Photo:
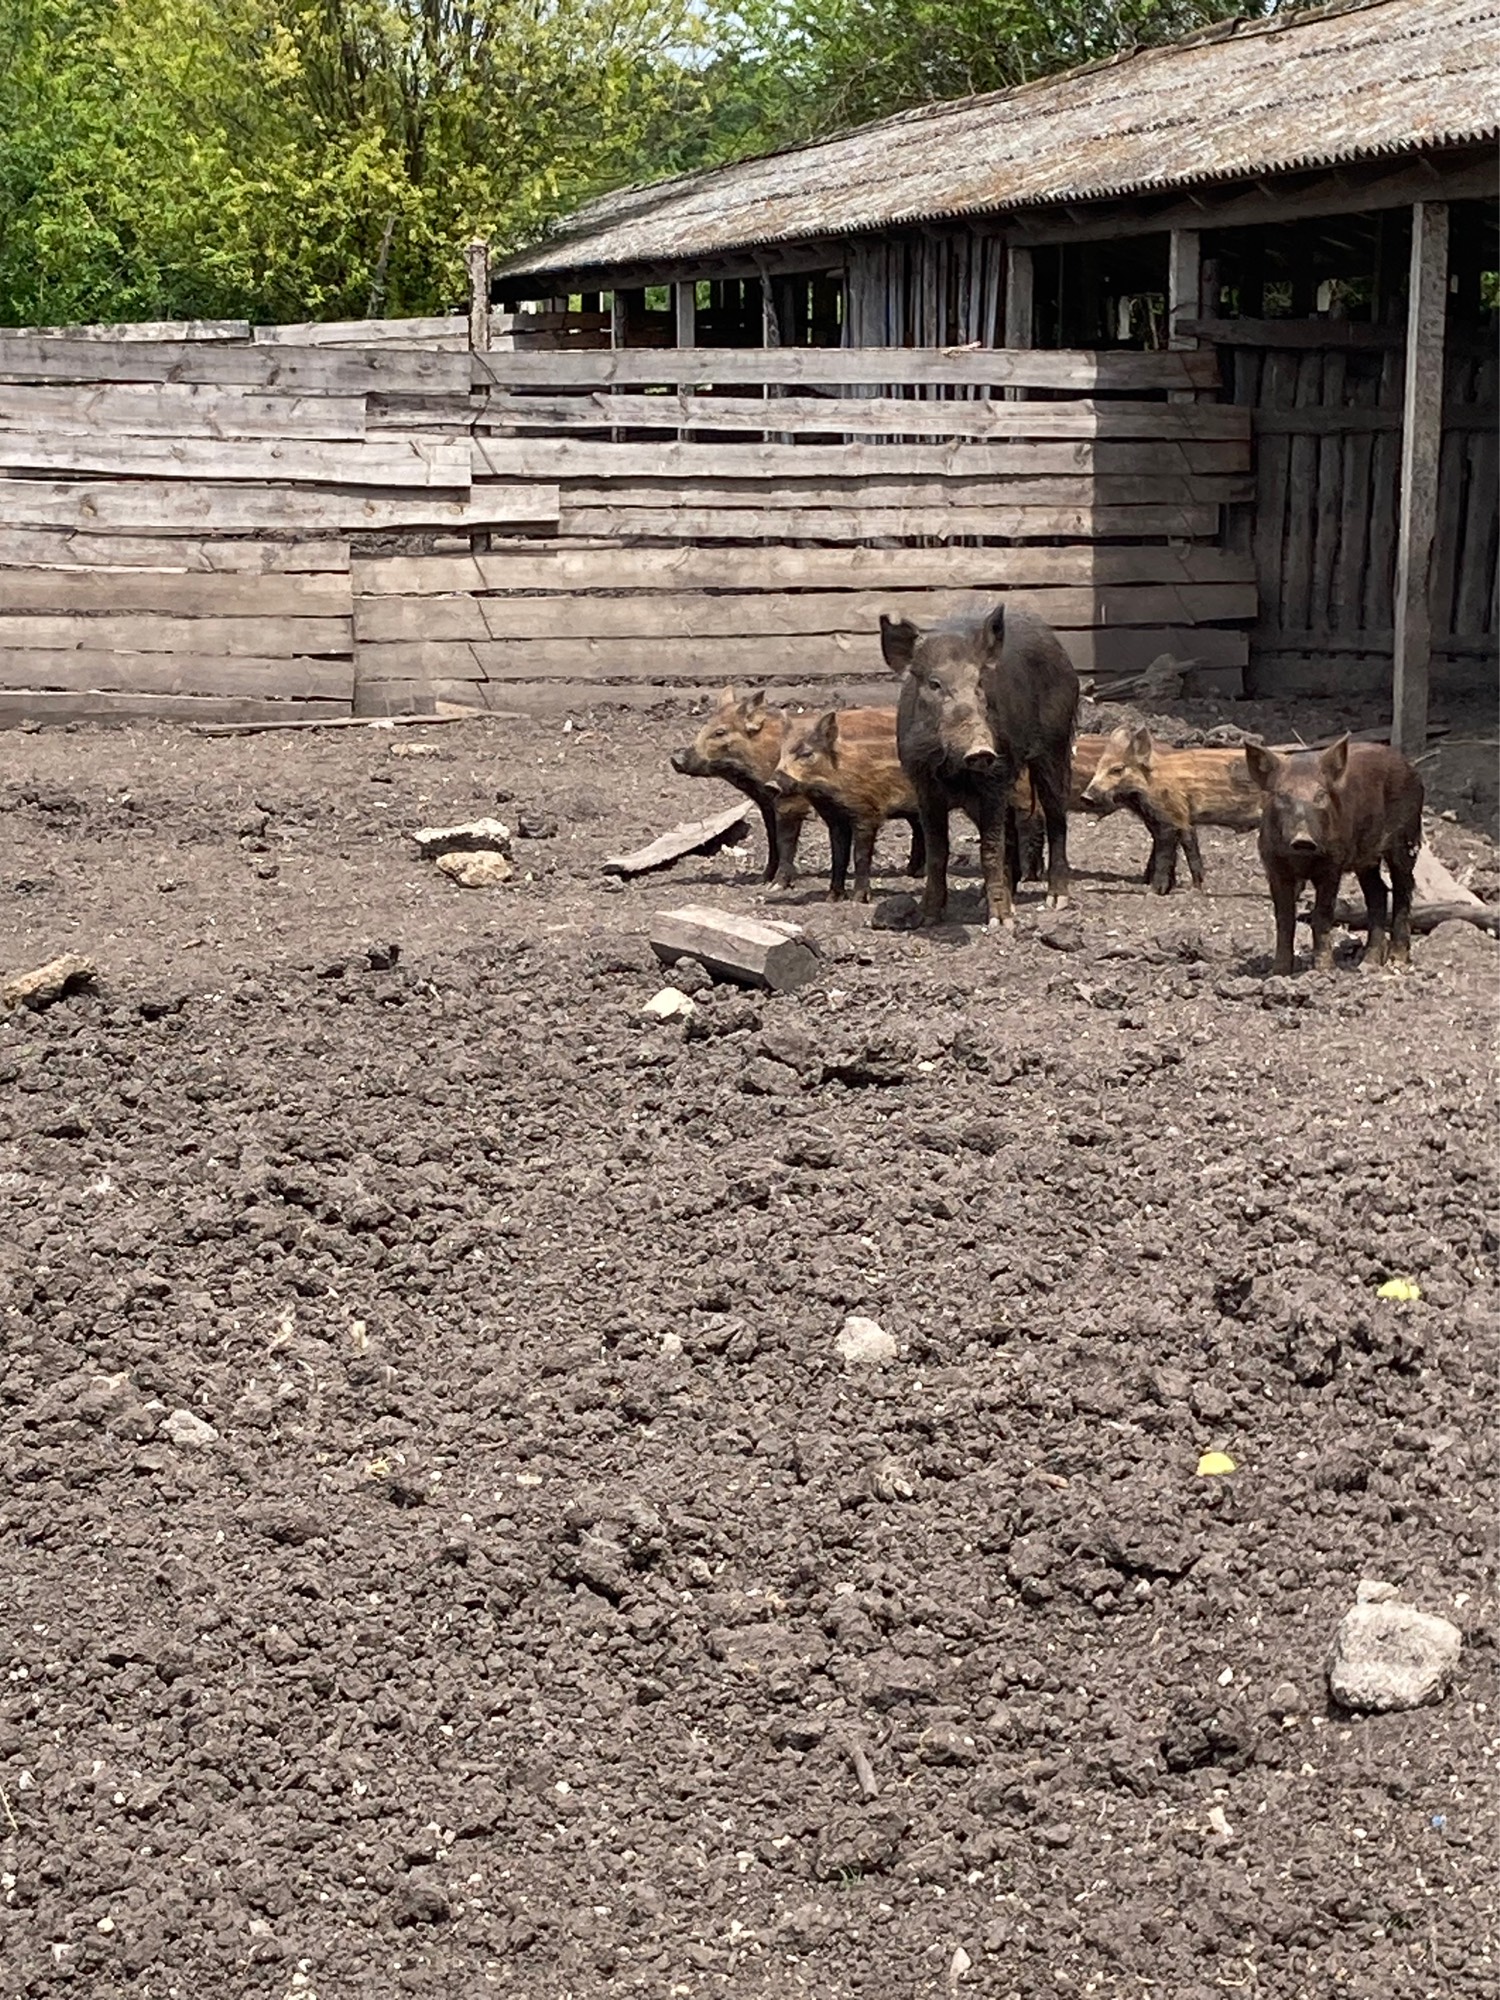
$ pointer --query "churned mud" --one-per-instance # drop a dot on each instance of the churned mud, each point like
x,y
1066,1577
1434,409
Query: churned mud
x,y
546,1608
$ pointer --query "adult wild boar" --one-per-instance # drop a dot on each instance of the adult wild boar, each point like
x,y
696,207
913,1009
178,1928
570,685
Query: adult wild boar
x,y
845,762
983,699
741,743
1328,812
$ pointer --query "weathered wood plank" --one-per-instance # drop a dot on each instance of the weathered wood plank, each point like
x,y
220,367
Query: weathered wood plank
x,y
1035,368
445,333
696,836
813,655
203,508
175,409
701,615
735,947
1302,481
834,524
188,595
146,632
1358,419
568,459
387,459
54,706
138,329
1075,490
886,416
123,672
542,566
317,371
61,548
1421,444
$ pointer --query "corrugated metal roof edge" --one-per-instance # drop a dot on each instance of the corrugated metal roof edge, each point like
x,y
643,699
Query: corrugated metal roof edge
x,y
541,256
523,266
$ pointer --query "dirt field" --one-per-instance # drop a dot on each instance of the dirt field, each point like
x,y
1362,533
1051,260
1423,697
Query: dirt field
x,y
525,1624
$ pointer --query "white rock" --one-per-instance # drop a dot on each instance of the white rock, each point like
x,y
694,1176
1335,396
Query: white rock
x,y
862,1341
1369,1591
475,836
1391,1656
188,1431
475,871
671,1345
668,1005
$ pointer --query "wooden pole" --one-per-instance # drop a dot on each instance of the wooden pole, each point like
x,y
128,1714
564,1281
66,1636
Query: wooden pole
x,y
1184,295
477,257
685,303
1020,306
1421,449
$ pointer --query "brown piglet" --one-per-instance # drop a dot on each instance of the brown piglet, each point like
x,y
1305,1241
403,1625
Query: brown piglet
x,y
1327,813
845,762
741,743
1175,792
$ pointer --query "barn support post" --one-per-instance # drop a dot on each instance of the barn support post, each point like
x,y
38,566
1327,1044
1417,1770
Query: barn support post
x,y
685,325
1421,447
1184,295
1020,305
477,258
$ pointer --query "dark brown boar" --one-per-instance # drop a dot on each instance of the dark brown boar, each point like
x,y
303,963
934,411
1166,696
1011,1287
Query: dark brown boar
x,y
1087,751
983,699
845,762
1175,792
1327,813
741,743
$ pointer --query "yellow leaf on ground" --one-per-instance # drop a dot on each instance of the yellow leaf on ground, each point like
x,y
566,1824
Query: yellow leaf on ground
x,y
1214,1463
1400,1288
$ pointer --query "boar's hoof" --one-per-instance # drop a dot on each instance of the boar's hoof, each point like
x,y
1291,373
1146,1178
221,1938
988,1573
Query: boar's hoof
x,y
1062,901
1001,924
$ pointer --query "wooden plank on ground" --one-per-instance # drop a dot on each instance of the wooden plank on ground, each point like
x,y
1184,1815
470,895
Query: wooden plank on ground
x,y
446,333
61,548
880,415
175,409
123,672
311,370
547,566
198,507
703,615
851,524
1035,368
733,946
388,459
145,632
49,706
568,459
694,836
812,655
188,595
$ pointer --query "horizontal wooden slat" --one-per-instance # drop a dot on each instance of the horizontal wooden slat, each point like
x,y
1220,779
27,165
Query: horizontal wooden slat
x,y
1482,645
189,595
445,333
1036,368
100,707
317,371
1334,334
140,329
883,492
175,409
878,415
197,506
1280,675
700,615
857,524
123,672
145,632
812,655
386,460
1312,421
61,548
564,458
545,567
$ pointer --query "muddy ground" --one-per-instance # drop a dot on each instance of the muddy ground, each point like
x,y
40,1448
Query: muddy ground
x,y
519,1627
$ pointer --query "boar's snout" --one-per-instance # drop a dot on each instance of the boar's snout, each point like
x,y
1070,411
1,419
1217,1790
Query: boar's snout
x,y
783,783
679,762
1302,842
980,760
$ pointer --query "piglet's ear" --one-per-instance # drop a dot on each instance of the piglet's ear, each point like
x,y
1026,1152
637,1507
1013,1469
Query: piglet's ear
x,y
1335,760
898,642
1263,764
1140,746
824,734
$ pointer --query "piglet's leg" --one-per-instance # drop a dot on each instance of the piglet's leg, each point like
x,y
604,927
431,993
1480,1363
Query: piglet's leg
x,y
1401,860
1325,889
1377,950
1284,902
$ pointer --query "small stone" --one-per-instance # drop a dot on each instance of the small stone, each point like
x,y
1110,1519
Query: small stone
x,y
189,1433
1061,931
476,836
894,913
48,982
1371,1591
671,1004
419,1902
1284,1701
381,957
536,826
1391,1656
1208,1403
862,1341
475,871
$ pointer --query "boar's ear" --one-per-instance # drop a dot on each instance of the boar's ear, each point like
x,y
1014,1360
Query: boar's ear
x,y
1140,747
898,642
1263,764
753,714
994,631
1335,760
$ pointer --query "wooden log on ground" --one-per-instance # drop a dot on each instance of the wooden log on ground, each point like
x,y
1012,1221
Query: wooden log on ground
x,y
1435,883
48,982
1424,916
690,836
326,722
742,949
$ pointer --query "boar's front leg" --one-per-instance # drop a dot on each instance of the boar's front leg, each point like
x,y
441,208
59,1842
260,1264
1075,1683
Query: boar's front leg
x,y
917,859
933,807
1401,859
1283,886
1377,945
1325,890
996,837
1051,782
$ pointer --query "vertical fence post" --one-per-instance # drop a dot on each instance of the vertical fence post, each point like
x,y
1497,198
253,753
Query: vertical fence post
x,y
477,257
1421,449
1020,306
